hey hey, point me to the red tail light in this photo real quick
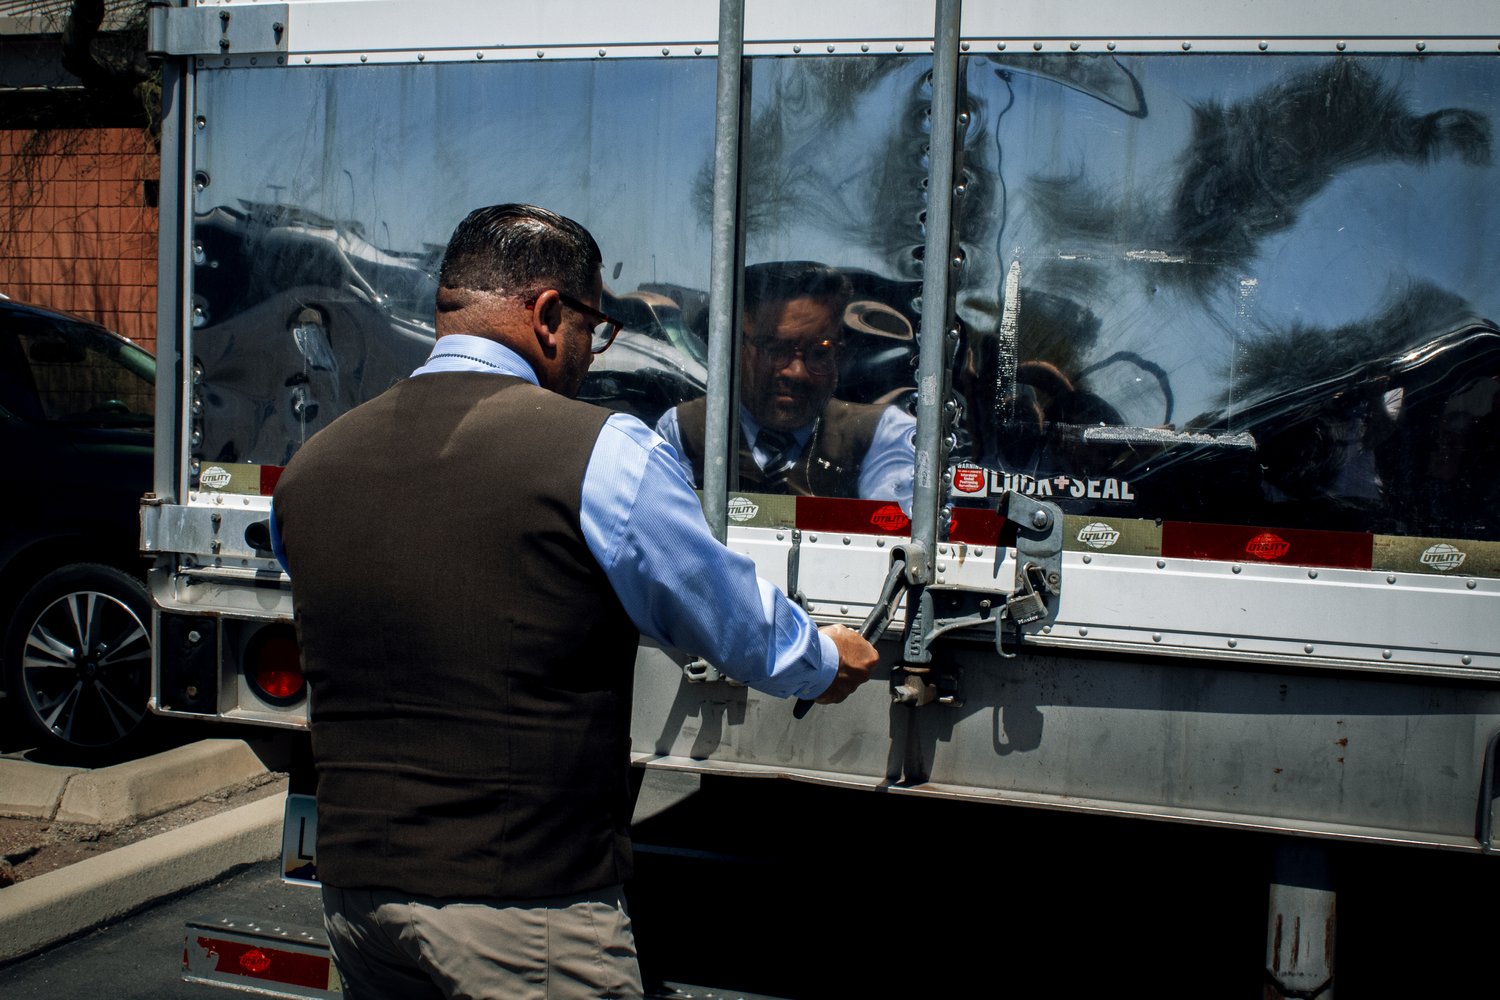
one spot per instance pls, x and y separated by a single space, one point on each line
273 663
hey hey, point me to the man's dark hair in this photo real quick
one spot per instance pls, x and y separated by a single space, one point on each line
520 250
784 280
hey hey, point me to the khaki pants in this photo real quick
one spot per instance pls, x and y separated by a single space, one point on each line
393 945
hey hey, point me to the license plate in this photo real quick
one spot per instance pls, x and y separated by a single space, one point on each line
299 838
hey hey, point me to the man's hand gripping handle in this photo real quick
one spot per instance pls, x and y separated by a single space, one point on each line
856 656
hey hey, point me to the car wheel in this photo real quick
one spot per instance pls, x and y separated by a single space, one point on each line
78 661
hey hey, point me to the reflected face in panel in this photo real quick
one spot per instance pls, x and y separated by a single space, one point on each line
790 364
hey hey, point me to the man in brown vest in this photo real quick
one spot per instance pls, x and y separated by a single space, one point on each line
795 437
473 555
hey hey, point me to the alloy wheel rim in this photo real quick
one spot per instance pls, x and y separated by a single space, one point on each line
86 668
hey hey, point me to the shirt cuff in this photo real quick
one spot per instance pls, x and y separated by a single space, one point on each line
828 670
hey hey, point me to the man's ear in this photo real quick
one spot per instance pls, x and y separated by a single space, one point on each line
547 318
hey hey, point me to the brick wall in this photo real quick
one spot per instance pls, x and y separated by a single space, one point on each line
76 232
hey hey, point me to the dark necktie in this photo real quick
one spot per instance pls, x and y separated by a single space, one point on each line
778 447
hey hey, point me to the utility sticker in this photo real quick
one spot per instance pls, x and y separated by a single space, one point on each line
1267 546
889 518
1105 488
239 477
1442 557
742 509
761 510
970 480
214 477
1455 556
1117 535
1098 535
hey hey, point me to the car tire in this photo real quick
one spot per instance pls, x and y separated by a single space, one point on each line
78 662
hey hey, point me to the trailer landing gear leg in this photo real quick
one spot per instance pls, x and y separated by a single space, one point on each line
1300 924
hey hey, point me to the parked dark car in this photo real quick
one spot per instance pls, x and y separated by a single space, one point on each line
76 414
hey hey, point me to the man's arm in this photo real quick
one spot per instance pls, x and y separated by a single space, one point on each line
886 473
644 524
670 431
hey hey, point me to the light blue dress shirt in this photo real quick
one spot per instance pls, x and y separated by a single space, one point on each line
884 474
643 523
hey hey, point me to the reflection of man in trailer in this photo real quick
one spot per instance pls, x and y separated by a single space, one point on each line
794 436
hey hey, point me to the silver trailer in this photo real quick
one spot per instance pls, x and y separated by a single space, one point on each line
1194 306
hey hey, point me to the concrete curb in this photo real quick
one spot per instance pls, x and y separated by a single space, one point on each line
153 785
127 792
32 791
47 909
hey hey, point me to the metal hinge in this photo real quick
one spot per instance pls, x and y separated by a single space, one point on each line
213 31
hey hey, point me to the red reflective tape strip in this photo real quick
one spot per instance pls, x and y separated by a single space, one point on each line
271 964
980 526
974 525
855 517
1245 543
269 475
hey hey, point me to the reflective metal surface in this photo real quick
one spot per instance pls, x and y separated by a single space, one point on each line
316 242
1249 289
835 176
1244 290
1293 256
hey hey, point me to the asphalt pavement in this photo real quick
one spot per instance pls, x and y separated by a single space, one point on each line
139 957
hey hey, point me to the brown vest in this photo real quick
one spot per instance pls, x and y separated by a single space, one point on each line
827 467
470 665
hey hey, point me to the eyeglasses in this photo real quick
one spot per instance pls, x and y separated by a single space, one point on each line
606 327
821 358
